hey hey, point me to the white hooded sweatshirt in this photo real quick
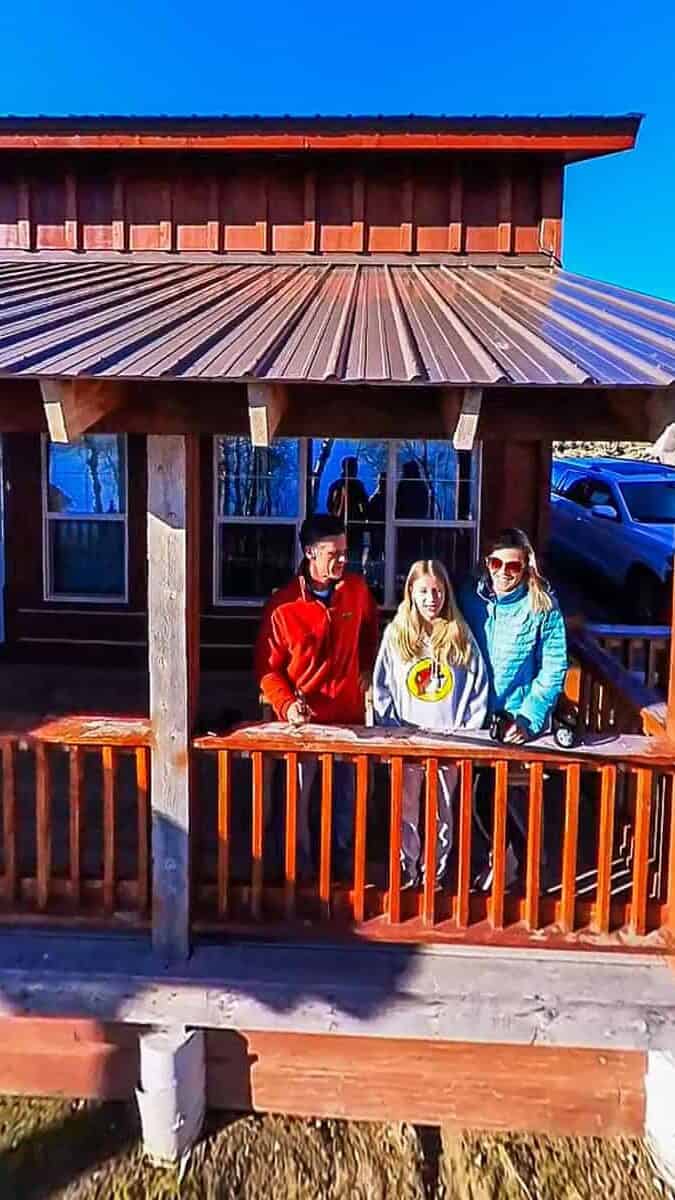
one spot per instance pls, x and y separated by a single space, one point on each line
428 693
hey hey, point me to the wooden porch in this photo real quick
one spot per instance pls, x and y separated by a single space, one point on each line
76 824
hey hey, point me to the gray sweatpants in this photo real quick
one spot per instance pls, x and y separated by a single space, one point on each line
411 842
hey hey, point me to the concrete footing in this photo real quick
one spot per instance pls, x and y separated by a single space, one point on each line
172 1093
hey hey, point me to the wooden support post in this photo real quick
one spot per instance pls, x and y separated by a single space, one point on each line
72 406
467 421
267 403
173 642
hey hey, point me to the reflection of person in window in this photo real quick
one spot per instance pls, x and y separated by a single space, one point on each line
377 512
412 493
348 501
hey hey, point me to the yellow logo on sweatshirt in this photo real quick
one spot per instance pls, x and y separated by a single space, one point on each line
430 680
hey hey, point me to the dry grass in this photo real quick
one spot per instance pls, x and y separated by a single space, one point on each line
520 1167
58 1150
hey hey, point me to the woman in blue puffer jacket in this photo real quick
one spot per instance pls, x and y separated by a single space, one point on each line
520 631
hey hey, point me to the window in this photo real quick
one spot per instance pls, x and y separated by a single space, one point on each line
578 492
399 501
257 507
84 488
600 493
652 503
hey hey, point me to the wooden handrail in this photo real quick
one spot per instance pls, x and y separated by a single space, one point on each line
645 703
381 742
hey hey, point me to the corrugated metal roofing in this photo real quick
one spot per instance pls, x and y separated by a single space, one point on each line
329 320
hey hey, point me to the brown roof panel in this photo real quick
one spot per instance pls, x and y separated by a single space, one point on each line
401 322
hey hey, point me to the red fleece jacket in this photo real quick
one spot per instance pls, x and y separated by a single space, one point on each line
304 645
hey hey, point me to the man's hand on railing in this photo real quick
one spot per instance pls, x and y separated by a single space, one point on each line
298 713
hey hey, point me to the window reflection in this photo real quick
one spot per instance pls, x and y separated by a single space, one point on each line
87 478
434 482
348 478
258 481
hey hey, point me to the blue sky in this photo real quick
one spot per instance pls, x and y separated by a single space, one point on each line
596 56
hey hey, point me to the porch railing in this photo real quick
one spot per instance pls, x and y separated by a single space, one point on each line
75 819
643 650
611 698
582 876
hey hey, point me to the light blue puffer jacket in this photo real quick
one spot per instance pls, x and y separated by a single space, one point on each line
525 652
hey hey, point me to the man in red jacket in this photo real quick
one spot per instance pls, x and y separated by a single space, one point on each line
314 660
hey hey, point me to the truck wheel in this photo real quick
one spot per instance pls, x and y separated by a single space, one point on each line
645 597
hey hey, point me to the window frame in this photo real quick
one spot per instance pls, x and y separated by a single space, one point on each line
392 523
48 596
217 600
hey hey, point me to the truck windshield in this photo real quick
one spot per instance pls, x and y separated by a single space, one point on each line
651 503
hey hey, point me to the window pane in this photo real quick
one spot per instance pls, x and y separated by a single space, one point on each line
653 503
258 481
454 548
255 559
434 482
348 478
87 558
87 477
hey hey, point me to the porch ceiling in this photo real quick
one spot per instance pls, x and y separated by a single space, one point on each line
408 322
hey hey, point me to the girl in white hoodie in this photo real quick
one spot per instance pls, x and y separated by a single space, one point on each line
430 674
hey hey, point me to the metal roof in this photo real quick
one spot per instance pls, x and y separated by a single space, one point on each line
404 322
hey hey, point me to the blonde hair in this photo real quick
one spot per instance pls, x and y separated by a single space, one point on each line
450 637
539 589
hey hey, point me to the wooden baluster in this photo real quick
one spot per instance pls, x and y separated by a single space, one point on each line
257 835
652 676
291 843
361 820
496 903
75 790
534 835
326 834
224 830
601 913
587 701
569 855
396 811
431 810
464 843
108 758
44 827
143 829
643 812
605 715
9 822
670 861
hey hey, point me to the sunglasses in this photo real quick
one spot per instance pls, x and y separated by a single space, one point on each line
511 568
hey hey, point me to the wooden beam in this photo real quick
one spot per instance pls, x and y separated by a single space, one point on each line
72 406
267 403
173 643
459 1084
467 421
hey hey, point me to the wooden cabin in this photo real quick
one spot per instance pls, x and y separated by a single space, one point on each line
205 325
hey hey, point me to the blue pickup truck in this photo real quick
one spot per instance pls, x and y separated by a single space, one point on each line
616 518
